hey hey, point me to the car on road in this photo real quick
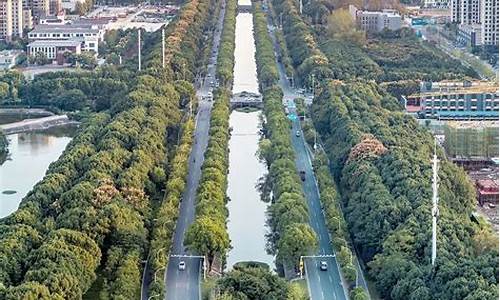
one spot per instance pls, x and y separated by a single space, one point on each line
323 265
302 175
297 133
182 266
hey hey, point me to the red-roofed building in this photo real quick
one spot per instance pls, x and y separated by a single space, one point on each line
487 191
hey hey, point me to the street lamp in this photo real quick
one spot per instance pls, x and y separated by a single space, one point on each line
162 268
337 218
151 297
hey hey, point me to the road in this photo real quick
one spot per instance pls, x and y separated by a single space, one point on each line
321 284
185 284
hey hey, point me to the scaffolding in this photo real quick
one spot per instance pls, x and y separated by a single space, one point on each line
471 139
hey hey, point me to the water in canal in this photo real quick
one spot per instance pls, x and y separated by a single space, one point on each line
29 157
247 214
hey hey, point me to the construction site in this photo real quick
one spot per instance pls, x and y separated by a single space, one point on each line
473 145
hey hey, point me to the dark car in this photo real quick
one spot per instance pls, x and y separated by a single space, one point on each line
302 175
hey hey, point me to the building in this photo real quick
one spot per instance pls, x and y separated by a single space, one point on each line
470 12
9 58
482 12
39 8
70 5
87 36
65 31
55 49
52 20
471 139
469 35
454 100
27 19
17 18
55 7
489 22
440 4
376 21
6 19
487 191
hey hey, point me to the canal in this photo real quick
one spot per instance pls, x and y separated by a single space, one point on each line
29 157
247 213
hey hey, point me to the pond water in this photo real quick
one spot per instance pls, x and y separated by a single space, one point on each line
29 157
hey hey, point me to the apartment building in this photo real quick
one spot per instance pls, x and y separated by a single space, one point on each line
27 18
17 18
376 21
6 20
55 6
38 8
489 22
482 12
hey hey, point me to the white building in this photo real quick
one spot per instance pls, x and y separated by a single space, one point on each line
87 36
489 22
54 49
483 12
436 3
9 58
376 21
469 35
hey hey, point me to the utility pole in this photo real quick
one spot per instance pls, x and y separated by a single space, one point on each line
139 47
163 47
435 201
313 89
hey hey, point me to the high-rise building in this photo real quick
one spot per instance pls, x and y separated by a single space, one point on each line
39 8
27 18
489 22
6 19
472 12
17 18
455 10
55 6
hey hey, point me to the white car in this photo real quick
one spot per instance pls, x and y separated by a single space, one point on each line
182 266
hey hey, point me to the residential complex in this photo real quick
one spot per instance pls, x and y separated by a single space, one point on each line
489 22
483 13
17 18
453 100
376 21
6 19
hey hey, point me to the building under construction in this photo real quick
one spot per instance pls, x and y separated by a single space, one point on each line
471 140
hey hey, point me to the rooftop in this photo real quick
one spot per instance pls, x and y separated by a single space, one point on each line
57 43
64 29
472 124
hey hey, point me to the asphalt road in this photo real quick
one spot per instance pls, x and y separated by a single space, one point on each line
185 284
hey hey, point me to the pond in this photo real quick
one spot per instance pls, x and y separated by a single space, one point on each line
29 157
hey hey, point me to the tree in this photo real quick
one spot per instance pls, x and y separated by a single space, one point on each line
341 26
4 90
298 239
253 282
71 100
207 236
